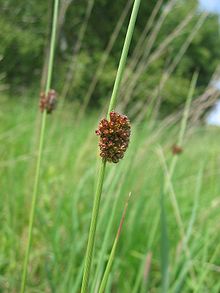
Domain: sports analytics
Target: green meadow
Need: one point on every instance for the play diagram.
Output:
(66, 195)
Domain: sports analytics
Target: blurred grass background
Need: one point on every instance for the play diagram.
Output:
(172, 39)
(65, 202)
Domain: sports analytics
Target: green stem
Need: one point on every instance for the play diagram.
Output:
(124, 55)
(33, 205)
(119, 75)
(95, 211)
(40, 148)
(52, 46)
(108, 267)
(182, 127)
(187, 108)
(112, 254)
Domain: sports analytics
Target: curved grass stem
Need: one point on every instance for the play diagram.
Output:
(40, 148)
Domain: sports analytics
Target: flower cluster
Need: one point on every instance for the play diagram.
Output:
(114, 137)
(48, 102)
(176, 149)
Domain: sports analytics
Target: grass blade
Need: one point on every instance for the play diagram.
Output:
(164, 246)
(112, 254)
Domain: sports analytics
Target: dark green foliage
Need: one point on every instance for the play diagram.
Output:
(25, 28)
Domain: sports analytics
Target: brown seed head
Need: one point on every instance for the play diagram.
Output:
(43, 101)
(114, 137)
(176, 149)
(48, 102)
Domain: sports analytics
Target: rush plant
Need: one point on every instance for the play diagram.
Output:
(102, 163)
(45, 110)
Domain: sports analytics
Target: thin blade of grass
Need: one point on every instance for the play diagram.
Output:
(183, 125)
(178, 283)
(168, 187)
(139, 279)
(147, 267)
(176, 208)
(164, 246)
(112, 254)
(199, 286)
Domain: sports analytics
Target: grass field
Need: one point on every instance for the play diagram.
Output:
(192, 258)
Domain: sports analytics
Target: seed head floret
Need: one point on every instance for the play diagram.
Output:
(114, 137)
(176, 149)
(48, 102)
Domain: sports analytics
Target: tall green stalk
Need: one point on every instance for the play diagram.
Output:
(124, 55)
(40, 148)
(100, 180)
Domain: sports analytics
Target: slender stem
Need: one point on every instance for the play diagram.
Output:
(182, 126)
(124, 55)
(52, 45)
(97, 198)
(187, 108)
(40, 148)
(33, 205)
(93, 225)
(108, 267)
(112, 254)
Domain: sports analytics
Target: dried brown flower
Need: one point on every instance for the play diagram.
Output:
(176, 149)
(48, 102)
(114, 137)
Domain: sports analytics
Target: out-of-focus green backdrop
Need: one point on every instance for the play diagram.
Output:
(85, 29)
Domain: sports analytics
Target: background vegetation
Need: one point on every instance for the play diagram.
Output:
(84, 30)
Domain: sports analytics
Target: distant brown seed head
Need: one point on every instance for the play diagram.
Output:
(176, 149)
(48, 102)
(114, 137)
